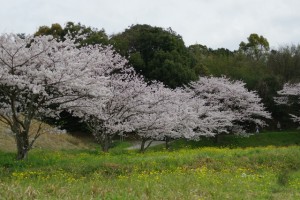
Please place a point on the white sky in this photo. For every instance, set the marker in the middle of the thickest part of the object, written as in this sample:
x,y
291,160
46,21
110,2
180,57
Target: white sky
x,y
214,23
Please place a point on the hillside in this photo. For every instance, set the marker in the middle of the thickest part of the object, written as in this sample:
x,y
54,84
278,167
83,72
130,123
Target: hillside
x,y
51,141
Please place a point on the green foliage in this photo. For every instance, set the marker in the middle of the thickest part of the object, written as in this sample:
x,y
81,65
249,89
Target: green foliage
x,y
156,53
285,63
256,48
93,35
55,30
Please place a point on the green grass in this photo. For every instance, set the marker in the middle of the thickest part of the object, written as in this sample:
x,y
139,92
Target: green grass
x,y
279,139
243,168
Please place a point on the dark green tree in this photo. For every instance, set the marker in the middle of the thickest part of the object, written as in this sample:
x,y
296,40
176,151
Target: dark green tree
x,y
157,53
210,61
285,63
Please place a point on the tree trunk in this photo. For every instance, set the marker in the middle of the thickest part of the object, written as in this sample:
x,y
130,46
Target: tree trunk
x,y
144,146
106,142
218,138
105,145
167,143
142,150
22,141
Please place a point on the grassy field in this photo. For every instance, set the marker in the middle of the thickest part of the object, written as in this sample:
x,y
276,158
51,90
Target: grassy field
x,y
263,166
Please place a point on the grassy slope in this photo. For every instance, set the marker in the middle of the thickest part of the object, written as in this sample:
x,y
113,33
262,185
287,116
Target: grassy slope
x,y
46,140
241,169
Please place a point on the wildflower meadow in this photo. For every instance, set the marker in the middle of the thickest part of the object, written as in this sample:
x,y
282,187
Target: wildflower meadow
x,y
187,171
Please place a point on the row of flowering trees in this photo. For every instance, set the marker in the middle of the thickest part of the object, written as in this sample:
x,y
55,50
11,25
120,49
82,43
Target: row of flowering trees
x,y
208,107
41,76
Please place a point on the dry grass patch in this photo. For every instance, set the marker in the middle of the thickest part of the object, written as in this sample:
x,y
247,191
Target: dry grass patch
x,y
50,139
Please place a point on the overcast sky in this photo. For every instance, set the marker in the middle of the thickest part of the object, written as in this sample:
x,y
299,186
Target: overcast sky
x,y
214,23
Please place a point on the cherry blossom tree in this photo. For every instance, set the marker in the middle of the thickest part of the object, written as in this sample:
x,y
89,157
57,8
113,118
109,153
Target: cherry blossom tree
x,y
232,106
172,114
181,115
134,106
184,116
156,117
43,76
208,107
150,111
288,95
115,115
